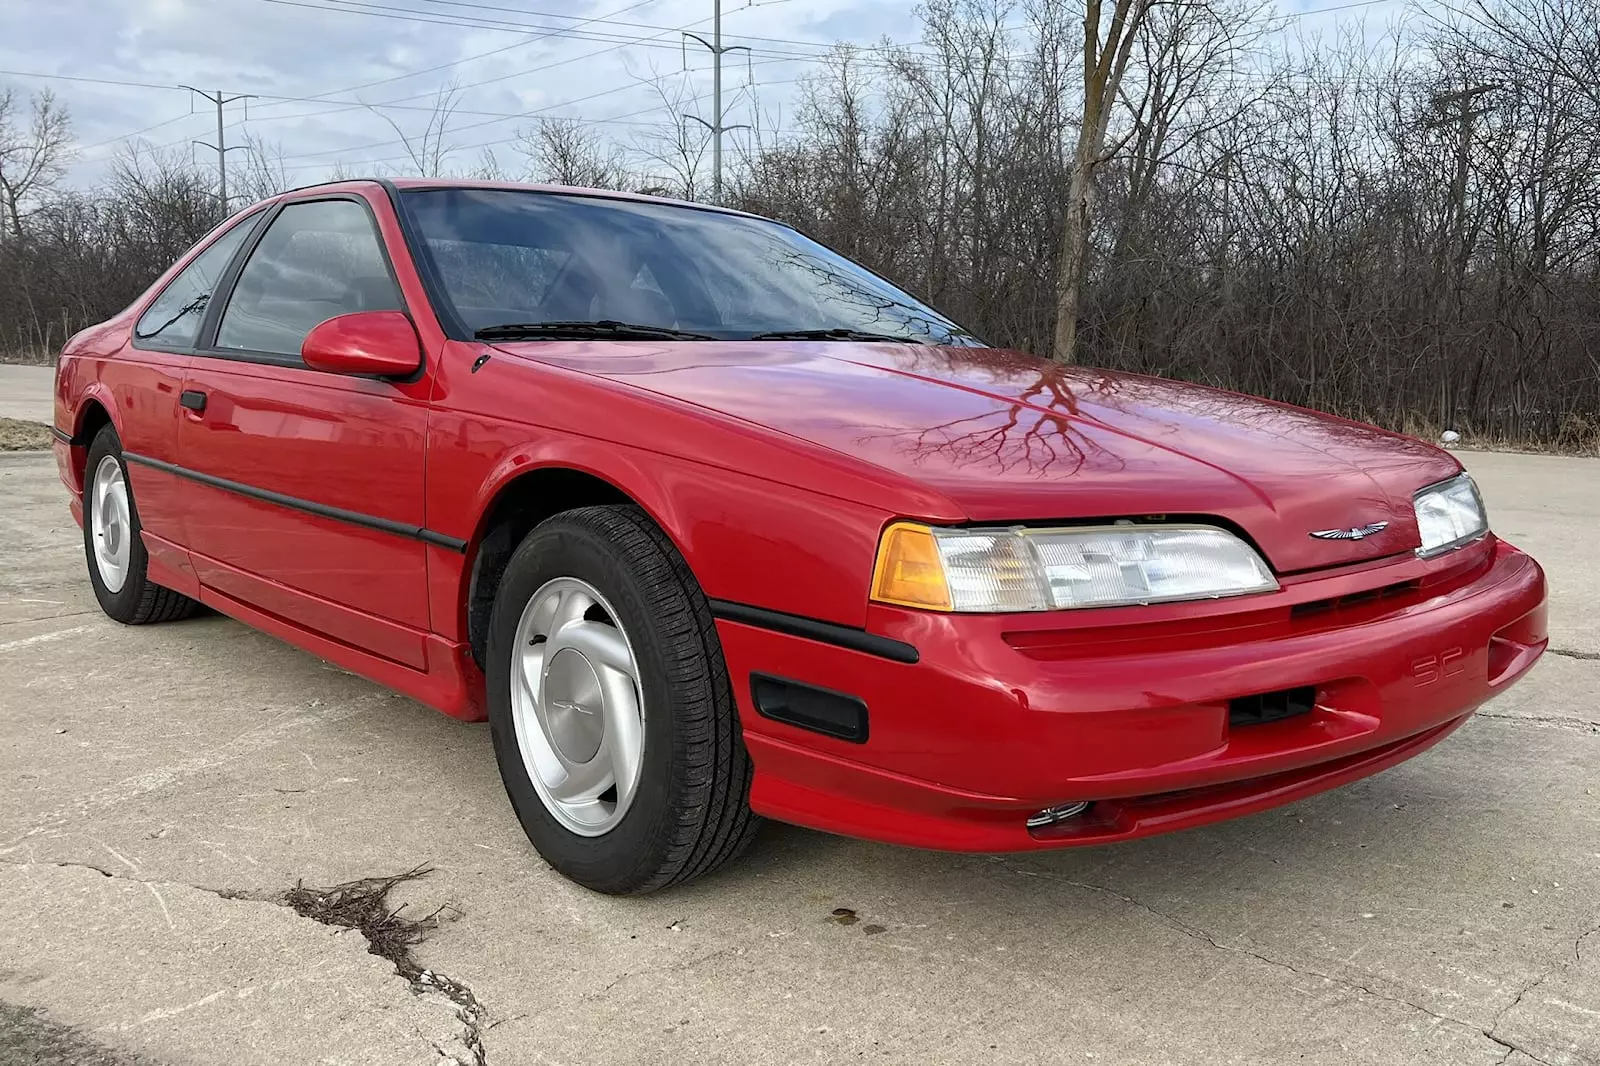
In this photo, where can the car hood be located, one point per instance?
(1011, 438)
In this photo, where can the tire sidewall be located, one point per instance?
(123, 604)
(618, 858)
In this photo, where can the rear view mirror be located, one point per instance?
(381, 343)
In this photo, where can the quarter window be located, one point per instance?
(317, 260)
(173, 320)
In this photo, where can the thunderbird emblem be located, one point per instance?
(1353, 533)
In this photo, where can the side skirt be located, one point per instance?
(451, 683)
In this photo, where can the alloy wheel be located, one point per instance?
(577, 706)
(112, 524)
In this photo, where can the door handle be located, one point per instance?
(193, 399)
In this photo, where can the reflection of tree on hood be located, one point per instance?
(1035, 432)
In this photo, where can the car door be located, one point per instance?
(144, 382)
(305, 483)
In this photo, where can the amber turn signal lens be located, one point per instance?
(909, 571)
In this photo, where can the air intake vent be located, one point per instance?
(833, 714)
(1271, 706)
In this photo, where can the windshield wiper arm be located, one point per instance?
(605, 327)
(833, 335)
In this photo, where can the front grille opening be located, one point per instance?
(1271, 706)
(1354, 599)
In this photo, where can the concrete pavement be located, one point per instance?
(156, 784)
(27, 392)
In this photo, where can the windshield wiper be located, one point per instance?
(605, 327)
(833, 335)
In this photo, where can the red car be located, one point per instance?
(710, 523)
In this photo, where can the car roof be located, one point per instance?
(522, 186)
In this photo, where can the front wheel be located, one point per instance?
(613, 722)
(114, 550)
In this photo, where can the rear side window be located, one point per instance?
(174, 319)
(316, 260)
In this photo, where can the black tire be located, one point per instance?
(139, 600)
(690, 813)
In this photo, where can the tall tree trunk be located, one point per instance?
(1074, 264)
(1103, 67)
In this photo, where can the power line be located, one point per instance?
(1325, 10)
(136, 133)
(622, 22)
(476, 56)
(534, 113)
(349, 7)
(535, 70)
(93, 81)
(361, 105)
(402, 14)
(278, 101)
(508, 140)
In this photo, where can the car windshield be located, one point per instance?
(510, 258)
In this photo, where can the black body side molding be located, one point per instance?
(338, 514)
(795, 625)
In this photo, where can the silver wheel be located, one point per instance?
(576, 706)
(112, 524)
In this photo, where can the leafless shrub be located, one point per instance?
(1404, 230)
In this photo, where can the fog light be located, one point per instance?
(1052, 815)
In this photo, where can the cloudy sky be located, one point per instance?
(319, 69)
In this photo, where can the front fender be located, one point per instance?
(746, 539)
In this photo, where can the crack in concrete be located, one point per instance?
(103, 872)
(1561, 721)
(1494, 1025)
(469, 1011)
(46, 618)
(677, 967)
(1174, 922)
(1577, 945)
(1570, 653)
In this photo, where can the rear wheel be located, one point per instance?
(112, 545)
(613, 722)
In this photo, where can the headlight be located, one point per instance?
(1020, 569)
(1449, 515)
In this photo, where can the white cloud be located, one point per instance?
(276, 49)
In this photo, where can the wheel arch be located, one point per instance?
(93, 415)
(518, 505)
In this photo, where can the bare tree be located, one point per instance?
(566, 152)
(1335, 222)
(677, 155)
(33, 153)
(1105, 61)
(263, 173)
(426, 147)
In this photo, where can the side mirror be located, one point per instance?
(381, 343)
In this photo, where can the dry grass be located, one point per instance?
(364, 905)
(29, 357)
(1577, 436)
(19, 436)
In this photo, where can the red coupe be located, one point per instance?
(710, 522)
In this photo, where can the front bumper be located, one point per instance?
(1129, 707)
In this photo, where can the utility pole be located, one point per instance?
(715, 47)
(218, 100)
